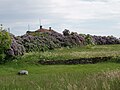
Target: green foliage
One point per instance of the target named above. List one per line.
(5, 42)
(2, 56)
(89, 40)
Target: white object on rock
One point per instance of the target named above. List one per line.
(23, 72)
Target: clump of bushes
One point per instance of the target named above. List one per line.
(66, 32)
(11, 45)
(89, 40)
(43, 41)
(5, 42)
(17, 47)
(103, 40)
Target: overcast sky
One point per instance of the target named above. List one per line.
(99, 17)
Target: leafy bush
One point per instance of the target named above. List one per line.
(42, 41)
(89, 40)
(66, 32)
(5, 42)
(102, 40)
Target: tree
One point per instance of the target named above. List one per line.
(5, 43)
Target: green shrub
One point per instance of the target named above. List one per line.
(5, 43)
(89, 40)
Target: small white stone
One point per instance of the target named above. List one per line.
(23, 72)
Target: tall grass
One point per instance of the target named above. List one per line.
(109, 80)
(74, 53)
(101, 76)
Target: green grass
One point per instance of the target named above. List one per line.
(100, 76)
(73, 53)
(58, 77)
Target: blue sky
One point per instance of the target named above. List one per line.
(99, 17)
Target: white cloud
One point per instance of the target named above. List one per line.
(78, 10)
(62, 13)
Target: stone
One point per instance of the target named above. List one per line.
(23, 72)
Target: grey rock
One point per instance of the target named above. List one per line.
(23, 72)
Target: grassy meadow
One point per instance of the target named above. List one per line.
(100, 76)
